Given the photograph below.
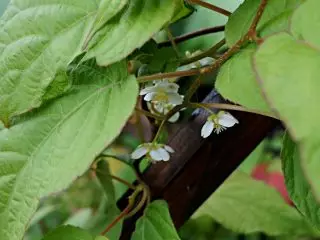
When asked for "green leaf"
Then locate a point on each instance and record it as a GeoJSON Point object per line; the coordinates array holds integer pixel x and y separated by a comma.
{"type": "Point", "coordinates": [103, 174]}
{"type": "Point", "coordinates": [304, 22]}
{"type": "Point", "coordinates": [156, 223]}
{"type": "Point", "coordinates": [298, 188]}
{"type": "Point", "coordinates": [276, 13]}
{"type": "Point", "coordinates": [102, 218]}
{"type": "Point", "coordinates": [3, 5]}
{"type": "Point", "coordinates": [289, 73]}
{"type": "Point", "coordinates": [110, 210]}
{"type": "Point", "coordinates": [182, 11]}
{"type": "Point", "coordinates": [32, 52]}
{"type": "Point", "coordinates": [106, 11]}
{"type": "Point", "coordinates": [42, 213]}
{"type": "Point", "coordinates": [163, 60]}
{"type": "Point", "coordinates": [202, 227]}
{"type": "Point", "coordinates": [253, 159]}
{"type": "Point", "coordinates": [247, 206]}
{"type": "Point", "coordinates": [80, 218]}
{"type": "Point", "coordinates": [58, 87]}
{"type": "Point", "coordinates": [68, 233]}
{"type": "Point", "coordinates": [236, 81]}
{"type": "Point", "coordinates": [47, 149]}
{"type": "Point", "coordinates": [130, 30]}
{"type": "Point", "coordinates": [203, 18]}
{"type": "Point", "coordinates": [101, 238]}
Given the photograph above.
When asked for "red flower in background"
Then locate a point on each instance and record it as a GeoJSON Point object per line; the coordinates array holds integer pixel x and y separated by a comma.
{"type": "Point", "coordinates": [274, 179]}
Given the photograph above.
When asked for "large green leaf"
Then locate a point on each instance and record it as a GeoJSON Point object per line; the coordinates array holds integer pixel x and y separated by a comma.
{"type": "Point", "coordinates": [236, 81]}
{"type": "Point", "coordinates": [68, 233]}
{"type": "Point", "coordinates": [298, 188]}
{"type": "Point", "coordinates": [289, 72]}
{"type": "Point", "coordinates": [246, 206]}
{"type": "Point", "coordinates": [304, 22]}
{"type": "Point", "coordinates": [155, 224]}
{"type": "Point", "coordinates": [37, 39]}
{"type": "Point", "coordinates": [240, 21]}
{"type": "Point", "coordinates": [106, 11]}
{"type": "Point", "coordinates": [131, 29]}
{"type": "Point", "coordinates": [46, 150]}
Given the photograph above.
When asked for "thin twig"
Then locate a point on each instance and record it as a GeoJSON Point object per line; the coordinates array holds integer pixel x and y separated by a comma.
{"type": "Point", "coordinates": [210, 52]}
{"type": "Point", "coordinates": [168, 75]}
{"type": "Point", "coordinates": [193, 88]}
{"type": "Point", "coordinates": [252, 33]}
{"type": "Point", "coordinates": [129, 185]}
{"type": "Point", "coordinates": [230, 107]}
{"type": "Point", "coordinates": [117, 219]}
{"type": "Point", "coordinates": [140, 204]}
{"type": "Point", "coordinates": [148, 114]}
{"type": "Point", "coordinates": [167, 117]}
{"type": "Point", "coordinates": [172, 42]}
{"type": "Point", "coordinates": [211, 7]}
{"type": "Point", "coordinates": [195, 34]}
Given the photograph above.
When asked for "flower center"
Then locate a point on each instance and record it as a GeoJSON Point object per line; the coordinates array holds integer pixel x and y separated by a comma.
{"type": "Point", "coordinates": [161, 97]}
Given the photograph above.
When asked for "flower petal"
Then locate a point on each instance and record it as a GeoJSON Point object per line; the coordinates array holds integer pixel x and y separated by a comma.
{"type": "Point", "coordinates": [174, 118]}
{"type": "Point", "coordinates": [175, 98]}
{"type": "Point", "coordinates": [156, 155]}
{"type": "Point", "coordinates": [167, 87]}
{"type": "Point", "coordinates": [168, 149]}
{"type": "Point", "coordinates": [207, 129]}
{"type": "Point", "coordinates": [164, 154]}
{"type": "Point", "coordinates": [139, 152]}
{"type": "Point", "coordinates": [206, 61]}
{"type": "Point", "coordinates": [147, 90]}
{"type": "Point", "coordinates": [183, 68]}
{"type": "Point", "coordinates": [226, 119]}
{"type": "Point", "coordinates": [149, 96]}
{"type": "Point", "coordinates": [160, 107]}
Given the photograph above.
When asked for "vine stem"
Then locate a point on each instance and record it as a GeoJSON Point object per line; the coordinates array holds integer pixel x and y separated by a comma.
{"type": "Point", "coordinates": [148, 114]}
{"type": "Point", "coordinates": [229, 107]}
{"type": "Point", "coordinates": [172, 41]}
{"type": "Point", "coordinates": [168, 116]}
{"type": "Point", "coordinates": [129, 185]}
{"type": "Point", "coordinates": [193, 88]}
{"type": "Point", "coordinates": [126, 211]}
{"type": "Point", "coordinates": [117, 219]}
{"type": "Point", "coordinates": [157, 76]}
{"type": "Point", "coordinates": [252, 33]}
{"type": "Point", "coordinates": [210, 52]}
{"type": "Point", "coordinates": [211, 7]}
{"type": "Point", "coordinates": [191, 35]}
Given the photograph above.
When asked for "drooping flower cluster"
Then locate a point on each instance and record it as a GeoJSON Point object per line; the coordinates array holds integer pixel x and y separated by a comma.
{"type": "Point", "coordinates": [162, 97]}
{"type": "Point", "coordinates": [162, 92]}
{"type": "Point", "coordinates": [153, 151]}
{"type": "Point", "coordinates": [218, 123]}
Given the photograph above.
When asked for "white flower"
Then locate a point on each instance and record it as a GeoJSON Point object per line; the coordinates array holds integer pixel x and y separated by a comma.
{"type": "Point", "coordinates": [162, 91]}
{"type": "Point", "coordinates": [163, 109]}
{"type": "Point", "coordinates": [154, 151]}
{"type": "Point", "coordinates": [218, 123]}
